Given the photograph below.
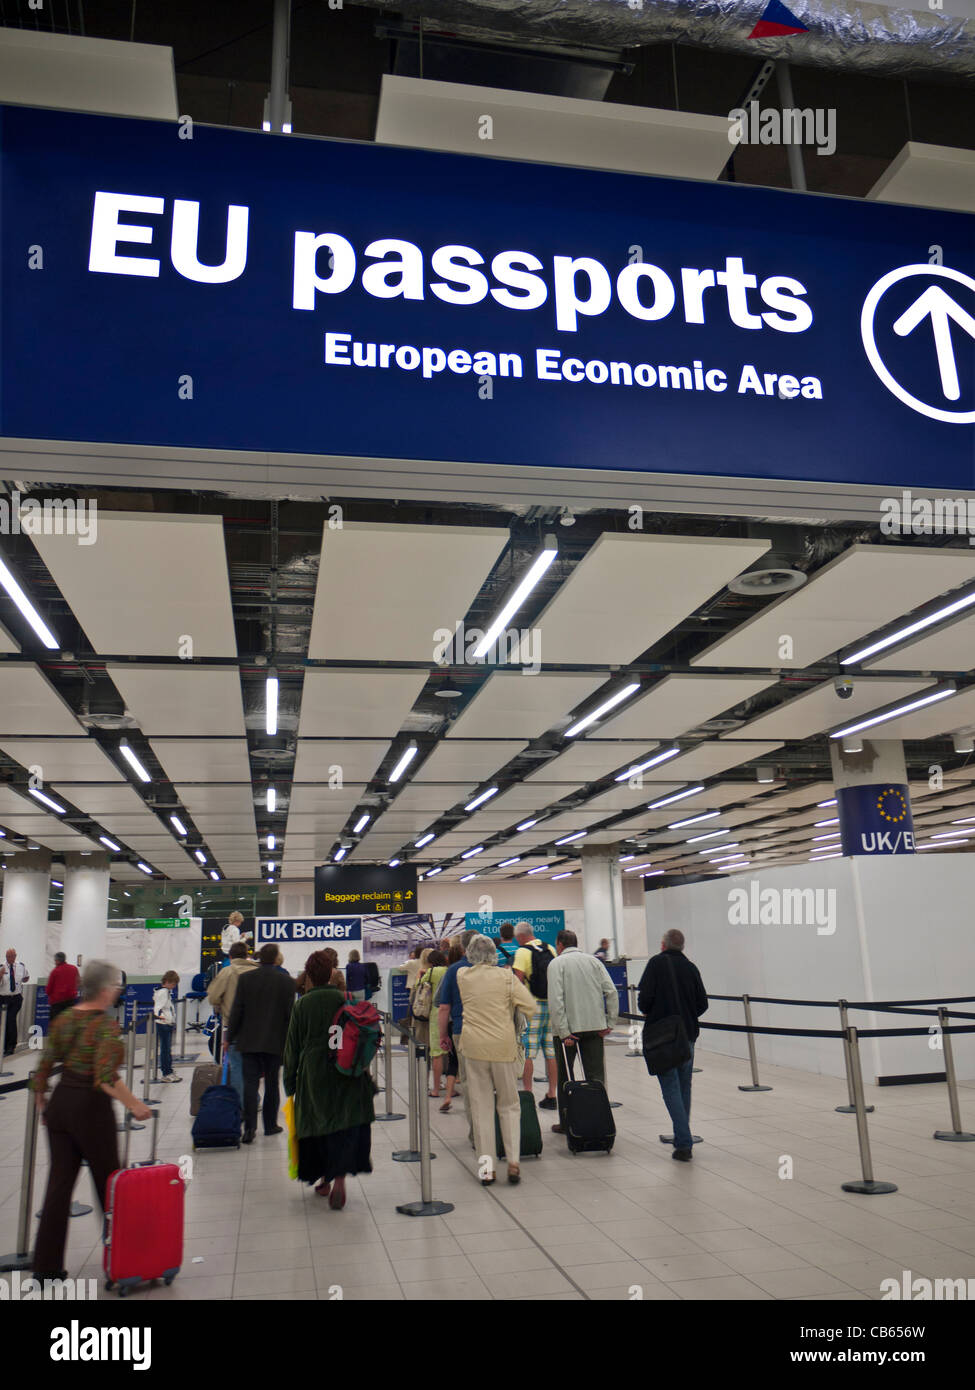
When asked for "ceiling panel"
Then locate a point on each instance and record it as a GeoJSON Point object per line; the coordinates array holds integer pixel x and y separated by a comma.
{"type": "Point", "coordinates": [862, 590]}
{"type": "Point", "coordinates": [217, 799]}
{"type": "Point", "coordinates": [588, 759]}
{"type": "Point", "coordinates": [433, 797]}
{"type": "Point", "coordinates": [7, 643]}
{"type": "Point", "coordinates": [821, 708]}
{"type": "Point", "coordinates": [29, 704]}
{"type": "Point", "coordinates": [203, 759]}
{"type": "Point", "coordinates": [680, 703]}
{"type": "Point", "coordinates": [626, 798]}
{"type": "Point", "coordinates": [464, 760]}
{"type": "Point", "coordinates": [955, 713]}
{"type": "Point", "coordinates": [320, 797]}
{"type": "Point", "coordinates": [64, 838]}
{"type": "Point", "coordinates": [387, 589]}
{"type": "Point", "coordinates": [709, 759]}
{"type": "Point", "coordinates": [181, 700]}
{"type": "Point", "coordinates": [356, 759]}
{"type": "Point", "coordinates": [357, 703]}
{"type": "Point", "coordinates": [97, 801]}
{"type": "Point", "coordinates": [151, 581]}
{"type": "Point", "coordinates": [802, 796]}
{"type": "Point", "coordinates": [950, 649]}
{"type": "Point", "coordinates": [528, 796]}
{"type": "Point", "coordinates": [511, 704]}
{"type": "Point", "coordinates": [594, 616]}
{"type": "Point", "coordinates": [63, 758]}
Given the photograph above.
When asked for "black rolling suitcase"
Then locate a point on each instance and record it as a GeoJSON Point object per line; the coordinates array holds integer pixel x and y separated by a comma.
{"type": "Point", "coordinates": [586, 1114]}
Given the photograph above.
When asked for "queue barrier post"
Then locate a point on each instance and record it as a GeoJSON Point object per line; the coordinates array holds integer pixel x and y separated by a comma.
{"type": "Point", "coordinates": [412, 1154]}
{"type": "Point", "coordinates": [752, 1056]}
{"type": "Point", "coordinates": [867, 1184]}
{"type": "Point", "coordinates": [956, 1134]}
{"type": "Point", "coordinates": [149, 1072]}
{"type": "Point", "coordinates": [426, 1206]}
{"type": "Point", "coordinates": [390, 1114]}
{"type": "Point", "coordinates": [4, 1005]}
{"type": "Point", "coordinates": [850, 1108]}
{"type": "Point", "coordinates": [130, 1068]}
{"type": "Point", "coordinates": [182, 1057]}
{"type": "Point", "coordinates": [21, 1258]}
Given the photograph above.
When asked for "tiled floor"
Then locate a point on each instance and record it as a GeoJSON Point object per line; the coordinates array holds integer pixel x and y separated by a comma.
{"type": "Point", "coordinates": [632, 1225]}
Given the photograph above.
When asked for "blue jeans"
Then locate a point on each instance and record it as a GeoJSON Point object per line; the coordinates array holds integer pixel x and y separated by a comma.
{"type": "Point", "coordinates": [675, 1087]}
{"type": "Point", "coordinates": [164, 1032]}
{"type": "Point", "coordinates": [235, 1072]}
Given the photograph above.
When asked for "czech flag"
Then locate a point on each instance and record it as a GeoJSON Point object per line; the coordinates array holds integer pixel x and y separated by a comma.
{"type": "Point", "coordinates": [777, 21]}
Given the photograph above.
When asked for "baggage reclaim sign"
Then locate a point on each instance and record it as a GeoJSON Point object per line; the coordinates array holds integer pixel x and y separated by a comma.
{"type": "Point", "coordinates": [239, 291]}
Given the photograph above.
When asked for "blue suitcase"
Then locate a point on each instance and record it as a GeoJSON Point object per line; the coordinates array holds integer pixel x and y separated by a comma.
{"type": "Point", "coordinates": [217, 1125]}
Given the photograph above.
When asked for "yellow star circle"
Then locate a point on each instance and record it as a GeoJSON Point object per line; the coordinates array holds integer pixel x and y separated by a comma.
{"type": "Point", "coordinates": [900, 798]}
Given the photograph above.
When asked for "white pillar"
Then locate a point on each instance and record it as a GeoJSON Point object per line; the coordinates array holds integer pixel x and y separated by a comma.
{"type": "Point", "coordinates": [85, 911]}
{"type": "Point", "coordinates": [23, 918]}
{"type": "Point", "coordinates": [602, 898]}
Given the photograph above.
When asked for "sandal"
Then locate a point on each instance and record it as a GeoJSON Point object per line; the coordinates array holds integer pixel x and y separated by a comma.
{"type": "Point", "coordinates": [514, 1173]}
{"type": "Point", "coordinates": [445, 1108]}
{"type": "Point", "coordinates": [337, 1199]}
{"type": "Point", "coordinates": [322, 1189]}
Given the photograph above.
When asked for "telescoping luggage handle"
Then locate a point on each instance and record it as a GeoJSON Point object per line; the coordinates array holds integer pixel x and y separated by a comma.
{"type": "Point", "coordinates": [128, 1134]}
{"type": "Point", "coordinates": [570, 1064]}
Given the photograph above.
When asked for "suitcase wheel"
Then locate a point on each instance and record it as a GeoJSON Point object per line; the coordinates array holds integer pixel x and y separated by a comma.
{"type": "Point", "coordinates": [109, 1285]}
{"type": "Point", "coordinates": [168, 1279]}
{"type": "Point", "coordinates": [122, 1291]}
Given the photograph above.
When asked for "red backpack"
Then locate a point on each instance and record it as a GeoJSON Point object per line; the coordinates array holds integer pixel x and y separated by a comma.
{"type": "Point", "coordinates": [361, 1036]}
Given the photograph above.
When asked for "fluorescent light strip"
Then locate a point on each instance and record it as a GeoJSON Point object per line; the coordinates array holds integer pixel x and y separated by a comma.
{"type": "Point", "coordinates": [506, 863]}
{"type": "Point", "coordinates": [271, 866]}
{"type": "Point", "coordinates": [430, 872]}
{"type": "Point", "coordinates": [110, 844]}
{"type": "Point", "coordinates": [732, 844]}
{"type": "Point", "coordinates": [272, 798]}
{"type": "Point", "coordinates": [556, 877]}
{"type": "Point", "coordinates": [537, 568]}
{"type": "Point", "coordinates": [895, 713]}
{"type": "Point", "coordinates": [423, 840]}
{"type": "Point", "coordinates": [834, 836]}
{"type": "Point", "coordinates": [134, 763]}
{"type": "Point", "coordinates": [214, 875]}
{"type": "Point", "coordinates": [624, 857]}
{"type": "Point", "coordinates": [678, 824]}
{"type": "Point", "coordinates": [650, 762]}
{"type": "Point", "coordinates": [678, 796]}
{"type": "Point", "coordinates": [526, 824]}
{"type": "Point", "coordinates": [470, 853]}
{"type": "Point", "coordinates": [408, 755]}
{"type": "Point", "coordinates": [145, 868]}
{"type": "Point", "coordinates": [958, 606]}
{"type": "Point", "coordinates": [198, 854]}
{"type": "Point", "coordinates": [361, 824]}
{"type": "Point", "coordinates": [636, 867]}
{"type": "Point", "coordinates": [271, 705]}
{"type": "Point", "coordinates": [395, 863]}
{"type": "Point", "coordinates": [54, 805]}
{"type": "Point", "coordinates": [56, 883]}
{"type": "Point", "coordinates": [653, 873]}
{"type": "Point", "coordinates": [695, 839]}
{"type": "Point", "coordinates": [271, 842]}
{"type": "Point", "coordinates": [602, 709]}
{"type": "Point", "coordinates": [567, 839]}
{"type": "Point", "coordinates": [541, 869]}
{"type": "Point", "coordinates": [830, 802]}
{"type": "Point", "coordinates": [479, 800]}
{"type": "Point", "coordinates": [467, 878]}
{"type": "Point", "coordinates": [339, 855]}
{"type": "Point", "coordinates": [178, 825]}
{"type": "Point", "coordinates": [818, 825]}
{"type": "Point", "coordinates": [27, 609]}
{"type": "Point", "coordinates": [953, 835]}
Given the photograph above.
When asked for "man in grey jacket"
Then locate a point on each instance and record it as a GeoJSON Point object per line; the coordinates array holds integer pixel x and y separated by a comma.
{"type": "Point", "coordinates": [583, 1007]}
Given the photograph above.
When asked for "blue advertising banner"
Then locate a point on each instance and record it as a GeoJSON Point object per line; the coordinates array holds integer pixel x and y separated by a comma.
{"type": "Point", "coordinates": [42, 1010]}
{"type": "Point", "coordinates": [323, 929]}
{"type": "Point", "coordinates": [617, 973]}
{"type": "Point", "coordinates": [399, 995]}
{"type": "Point", "coordinates": [137, 1002]}
{"type": "Point", "coordinates": [243, 291]}
{"type": "Point", "coordinates": [546, 925]}
{"type": "Point", "coordinates": [875, 819]}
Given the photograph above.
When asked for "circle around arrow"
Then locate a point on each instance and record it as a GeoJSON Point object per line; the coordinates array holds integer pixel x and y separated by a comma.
{"type": "Point", "coordinates": [870, 346]}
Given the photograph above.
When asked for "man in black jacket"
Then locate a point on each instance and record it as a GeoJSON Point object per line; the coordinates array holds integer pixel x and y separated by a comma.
{"type": "Point", "coordinates": [672, 984]}
{"type": "Point", "coordinates": [258, 1028]}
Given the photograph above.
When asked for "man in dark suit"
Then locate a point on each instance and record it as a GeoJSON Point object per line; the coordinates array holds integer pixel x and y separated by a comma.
{"type": "Point", "coordinates": [672, 984]}
{"type": "Point", "coordinates": [258, 1028]}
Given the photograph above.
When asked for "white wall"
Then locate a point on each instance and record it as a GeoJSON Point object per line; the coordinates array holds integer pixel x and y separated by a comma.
{"type": "Point", "coordinates": [911, 938]}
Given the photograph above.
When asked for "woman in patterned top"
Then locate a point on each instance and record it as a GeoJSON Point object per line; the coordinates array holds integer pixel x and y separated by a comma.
{"type": "Point", "coordinates": [79, 1117]}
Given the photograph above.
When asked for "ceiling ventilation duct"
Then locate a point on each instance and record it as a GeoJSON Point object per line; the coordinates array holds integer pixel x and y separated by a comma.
{"type": "Point", "coordinates": [854, 38]}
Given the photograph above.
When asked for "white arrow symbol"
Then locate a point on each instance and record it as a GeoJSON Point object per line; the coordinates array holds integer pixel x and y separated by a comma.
{"type": "Point", "coordinates": [940, 307]}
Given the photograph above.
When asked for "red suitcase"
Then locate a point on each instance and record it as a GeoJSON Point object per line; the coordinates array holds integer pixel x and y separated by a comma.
{"type": "Point", "coordinates": [143, 1236]}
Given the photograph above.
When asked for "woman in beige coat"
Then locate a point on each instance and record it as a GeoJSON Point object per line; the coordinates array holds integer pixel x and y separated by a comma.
{"type": "Point", "coordinates": [489, 1044]}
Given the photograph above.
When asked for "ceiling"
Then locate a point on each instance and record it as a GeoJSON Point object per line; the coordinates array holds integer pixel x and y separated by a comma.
{"type": "Point", "coordinates": [169, 626]}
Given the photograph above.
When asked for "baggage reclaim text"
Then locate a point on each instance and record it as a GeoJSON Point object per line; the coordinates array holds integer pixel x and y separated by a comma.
{"type": "Point", "coordinates": [341, 350]}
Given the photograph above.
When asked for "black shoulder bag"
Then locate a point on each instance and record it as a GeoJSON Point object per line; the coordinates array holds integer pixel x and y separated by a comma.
{"type": "Point", "coordinates": [665, 1043]}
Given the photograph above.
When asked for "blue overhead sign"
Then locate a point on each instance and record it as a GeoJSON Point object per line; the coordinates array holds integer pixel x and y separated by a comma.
{"type": "Point", "coordinates": [235, 290]}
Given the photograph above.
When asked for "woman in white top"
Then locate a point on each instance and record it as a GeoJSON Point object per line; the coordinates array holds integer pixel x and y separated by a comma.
{"type": "Point", "coordinates": [165, 1012]}
{"type": "Point", "coordinates": [489, 1044]}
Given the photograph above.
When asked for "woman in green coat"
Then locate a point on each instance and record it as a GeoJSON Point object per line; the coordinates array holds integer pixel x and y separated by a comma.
{"type": "Point", "coordinates": [333, 1113]}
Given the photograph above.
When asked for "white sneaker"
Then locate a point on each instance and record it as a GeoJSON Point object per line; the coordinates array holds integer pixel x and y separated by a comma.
{"type": "Point", "coordinates": [172, 1077]}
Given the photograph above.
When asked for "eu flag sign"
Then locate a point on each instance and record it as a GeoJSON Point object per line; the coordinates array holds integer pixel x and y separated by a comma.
{"type": "Point", "coordinates": [776, 21]}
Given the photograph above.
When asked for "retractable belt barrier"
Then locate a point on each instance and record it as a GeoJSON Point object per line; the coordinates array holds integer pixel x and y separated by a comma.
{"type": "Point", "coordinates": [390, 1113]}
{"type": "Point", "coordinates": [850, 1038]}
